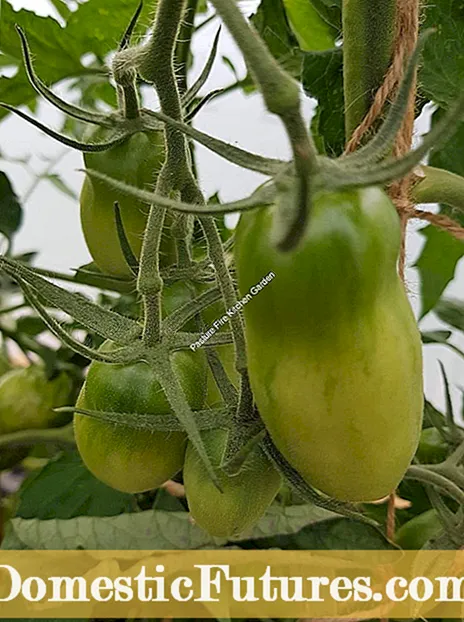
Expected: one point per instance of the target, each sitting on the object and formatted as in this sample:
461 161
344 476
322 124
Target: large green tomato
27 400
4 364
333 347
137 162
245 497
125 458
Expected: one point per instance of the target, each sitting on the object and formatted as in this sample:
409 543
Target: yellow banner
231 584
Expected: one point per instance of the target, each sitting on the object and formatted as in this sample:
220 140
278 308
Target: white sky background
52 219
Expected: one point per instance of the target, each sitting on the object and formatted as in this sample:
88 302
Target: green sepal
91 316
204 419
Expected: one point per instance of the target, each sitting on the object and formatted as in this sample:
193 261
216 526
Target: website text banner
228 584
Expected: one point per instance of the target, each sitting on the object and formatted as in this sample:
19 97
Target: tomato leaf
94 28
313 32
437 265
335 534
64 489
451 312
11 213
150 530
442 74
271 23
323 79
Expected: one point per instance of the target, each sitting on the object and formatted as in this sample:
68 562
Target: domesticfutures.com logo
220 322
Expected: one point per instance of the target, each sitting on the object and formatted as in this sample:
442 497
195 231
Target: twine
407 29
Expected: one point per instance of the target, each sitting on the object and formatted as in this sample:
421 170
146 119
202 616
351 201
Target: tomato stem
435 185
157 66
282 97
149 282
437 480
184 43
57 436
368 38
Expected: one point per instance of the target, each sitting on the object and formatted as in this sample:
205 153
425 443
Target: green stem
130 101
149 282
60 436
439 186
184 43
281 95
438 481
157 66
368 37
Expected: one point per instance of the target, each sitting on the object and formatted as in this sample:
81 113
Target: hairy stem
158 67
436 185
56 436
149 282
368 37
282 97
130 101
184 43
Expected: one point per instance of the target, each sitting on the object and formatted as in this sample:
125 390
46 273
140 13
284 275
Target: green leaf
335 534
442 73
451 158
323 79
440 337
271 23
330 11
150 530
436 336
64 489
441 252
313 32
60 184
94 28
437 265
451 312
11 213
30 325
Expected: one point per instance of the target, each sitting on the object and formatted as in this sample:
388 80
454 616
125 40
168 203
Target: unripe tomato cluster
334 362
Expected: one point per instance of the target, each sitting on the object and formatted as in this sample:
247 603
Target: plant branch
56 436
436 185
368 38
282 97
184 44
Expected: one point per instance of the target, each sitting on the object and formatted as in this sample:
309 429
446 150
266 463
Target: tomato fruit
136 162
334 351
432 448
125 458
245 496
27 399
4 364
417 531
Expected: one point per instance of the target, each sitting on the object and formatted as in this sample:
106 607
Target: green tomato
432 448
4 364
244 497
414 534
137 162
27 399
334 352
125 458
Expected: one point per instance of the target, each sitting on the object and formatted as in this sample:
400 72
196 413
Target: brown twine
407 28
